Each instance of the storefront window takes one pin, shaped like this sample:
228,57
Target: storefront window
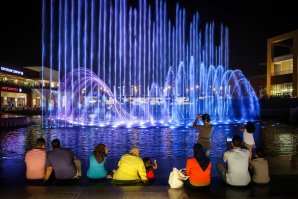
21,101
283,90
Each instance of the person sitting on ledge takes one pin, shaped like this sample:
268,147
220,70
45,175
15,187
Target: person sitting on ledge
238,161
150,167
259,168
63,162
97,167
198,168
35,160
131,169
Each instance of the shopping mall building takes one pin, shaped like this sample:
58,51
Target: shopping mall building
21,87
281,79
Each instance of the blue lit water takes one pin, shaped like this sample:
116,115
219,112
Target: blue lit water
155,142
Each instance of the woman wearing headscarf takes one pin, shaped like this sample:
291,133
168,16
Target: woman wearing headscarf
131,169
98,158
198,168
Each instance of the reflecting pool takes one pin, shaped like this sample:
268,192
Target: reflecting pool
155,142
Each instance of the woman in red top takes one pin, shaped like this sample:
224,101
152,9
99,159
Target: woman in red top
198,168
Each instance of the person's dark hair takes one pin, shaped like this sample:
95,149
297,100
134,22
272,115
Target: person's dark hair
237,140
147,163
40,142
250,127
200,156
260,152
99,153
55,143
206,118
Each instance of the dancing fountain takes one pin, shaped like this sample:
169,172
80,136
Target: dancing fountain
124,62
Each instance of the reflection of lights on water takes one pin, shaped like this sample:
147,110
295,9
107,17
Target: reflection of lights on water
285,142
92,116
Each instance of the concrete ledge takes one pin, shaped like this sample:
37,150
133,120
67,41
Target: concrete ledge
281,186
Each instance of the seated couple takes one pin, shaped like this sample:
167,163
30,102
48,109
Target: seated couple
238,165
40,164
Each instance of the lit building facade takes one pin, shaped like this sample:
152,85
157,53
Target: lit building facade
282,62
21,87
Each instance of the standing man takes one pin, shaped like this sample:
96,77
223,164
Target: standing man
238,161
35,161
63,162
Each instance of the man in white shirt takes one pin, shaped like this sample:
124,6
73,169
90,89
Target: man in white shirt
238,162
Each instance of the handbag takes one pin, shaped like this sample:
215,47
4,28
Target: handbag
176,178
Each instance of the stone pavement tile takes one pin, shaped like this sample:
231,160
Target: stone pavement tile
40,192
146,192
144,188
108,192
145,195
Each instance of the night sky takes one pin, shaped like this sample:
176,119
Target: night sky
250,25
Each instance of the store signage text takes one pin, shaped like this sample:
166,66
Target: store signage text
9,70
6,88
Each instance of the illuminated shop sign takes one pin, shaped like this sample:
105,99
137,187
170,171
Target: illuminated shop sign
6,88
10,70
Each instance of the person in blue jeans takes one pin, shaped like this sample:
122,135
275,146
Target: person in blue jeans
97,169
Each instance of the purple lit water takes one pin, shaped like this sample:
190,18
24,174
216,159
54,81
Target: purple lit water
139,62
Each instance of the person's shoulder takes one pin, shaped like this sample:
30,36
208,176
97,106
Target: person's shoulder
190,159
29,152
92,154
196,126
228,151
67,150
51,152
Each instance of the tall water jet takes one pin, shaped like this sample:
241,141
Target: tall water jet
127,61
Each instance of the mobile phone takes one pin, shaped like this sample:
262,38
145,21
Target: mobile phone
229,139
